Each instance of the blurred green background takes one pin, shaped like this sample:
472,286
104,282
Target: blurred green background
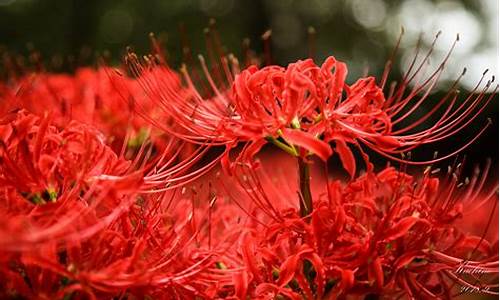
359,32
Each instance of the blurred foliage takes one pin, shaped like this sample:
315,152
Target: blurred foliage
357,31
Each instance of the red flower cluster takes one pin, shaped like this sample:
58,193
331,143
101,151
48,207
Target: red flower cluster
109,187
308,106
43,166
387,233
75,222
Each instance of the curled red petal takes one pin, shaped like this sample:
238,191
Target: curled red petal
240,280
405,259
337,79
249,257
304,285
347,279
287,270
309,142
251,150
376,272
401,228
346,157
320,273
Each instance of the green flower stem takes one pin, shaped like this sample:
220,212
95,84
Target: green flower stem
305,187
304,176
288,149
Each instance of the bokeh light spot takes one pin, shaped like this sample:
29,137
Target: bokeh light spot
369,13
451,19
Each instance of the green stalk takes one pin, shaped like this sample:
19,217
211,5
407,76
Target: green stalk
304,176
305,188
288,149
306,206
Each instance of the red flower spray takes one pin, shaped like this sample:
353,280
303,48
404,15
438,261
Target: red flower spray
115,193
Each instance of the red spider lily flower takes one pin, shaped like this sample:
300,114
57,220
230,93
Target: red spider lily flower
105,99
158,249
75,223
56,182
388,234
88,96
127,214
303,107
